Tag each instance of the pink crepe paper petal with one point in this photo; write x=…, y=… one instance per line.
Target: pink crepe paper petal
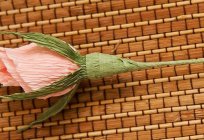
x=5, y=77
x=34, y=67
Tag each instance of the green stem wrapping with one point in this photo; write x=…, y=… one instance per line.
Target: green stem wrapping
x=101, y=65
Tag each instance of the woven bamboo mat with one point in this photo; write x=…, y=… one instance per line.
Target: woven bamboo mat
x=159, y=103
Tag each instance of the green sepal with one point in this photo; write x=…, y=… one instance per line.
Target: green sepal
x=57, y=86
x=50, y=42
x=53, y=110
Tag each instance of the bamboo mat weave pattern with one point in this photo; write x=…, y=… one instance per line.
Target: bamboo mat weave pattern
x=158, y=103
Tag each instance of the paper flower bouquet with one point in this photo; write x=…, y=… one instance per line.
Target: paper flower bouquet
x=50, y=67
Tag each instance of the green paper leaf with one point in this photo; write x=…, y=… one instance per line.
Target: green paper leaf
x=53, y=110
x=57, y=86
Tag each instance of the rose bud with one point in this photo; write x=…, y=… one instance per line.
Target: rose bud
x=45, y=68
x=50, y=67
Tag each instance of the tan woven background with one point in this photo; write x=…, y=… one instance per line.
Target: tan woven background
x=165, y=103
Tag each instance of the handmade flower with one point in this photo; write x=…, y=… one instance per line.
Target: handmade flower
x=50, y=67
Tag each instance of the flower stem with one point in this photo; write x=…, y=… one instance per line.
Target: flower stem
x=101, y=65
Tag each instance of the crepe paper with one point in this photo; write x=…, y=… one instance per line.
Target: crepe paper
x=33, y=67
x=64, y=80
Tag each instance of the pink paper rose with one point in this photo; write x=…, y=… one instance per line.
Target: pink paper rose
x=33, y=67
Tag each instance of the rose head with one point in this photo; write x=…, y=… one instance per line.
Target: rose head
x=45, y=68
x=33, y=67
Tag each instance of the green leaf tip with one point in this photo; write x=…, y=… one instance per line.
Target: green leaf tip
x=53, y=110
x=5, y=97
